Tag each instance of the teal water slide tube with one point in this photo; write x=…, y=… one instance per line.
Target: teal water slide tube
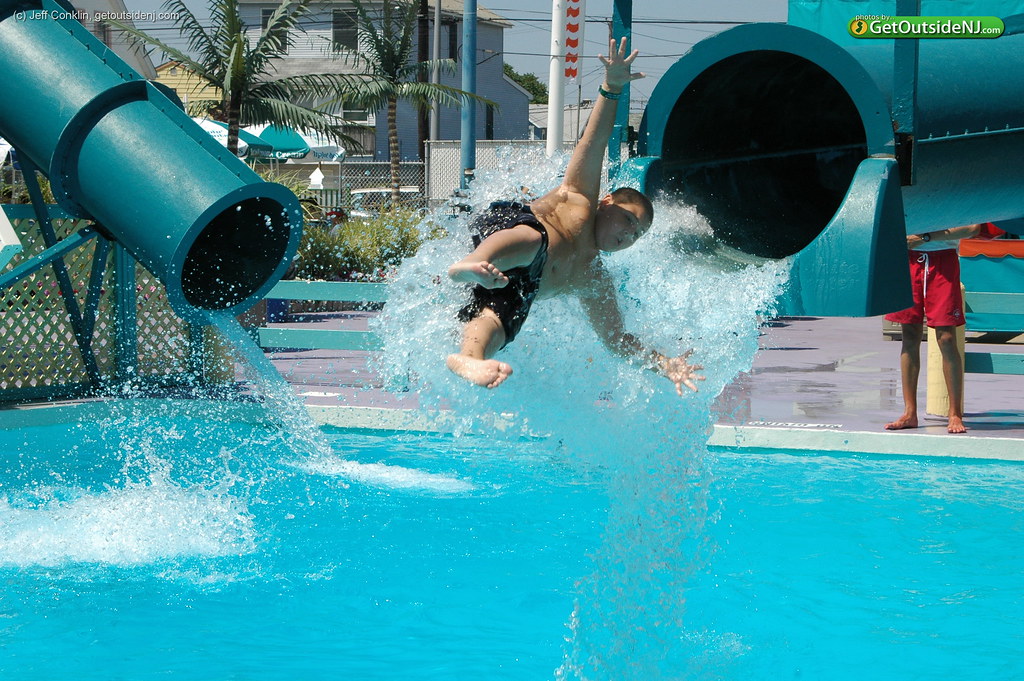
x=800, y=141
x=120, y=151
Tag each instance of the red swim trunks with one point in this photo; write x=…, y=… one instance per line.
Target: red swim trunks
x=935, y=282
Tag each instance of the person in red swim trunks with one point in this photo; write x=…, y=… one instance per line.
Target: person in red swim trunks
x=935, y=280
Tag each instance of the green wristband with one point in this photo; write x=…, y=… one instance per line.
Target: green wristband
x=614, y=96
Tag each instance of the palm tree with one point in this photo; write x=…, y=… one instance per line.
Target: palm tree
x=391, y=74
x=224, y=56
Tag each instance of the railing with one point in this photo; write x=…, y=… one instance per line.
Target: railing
x=323, y=339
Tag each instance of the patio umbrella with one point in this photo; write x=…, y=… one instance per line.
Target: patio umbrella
x=248, y=144
x=289, y=143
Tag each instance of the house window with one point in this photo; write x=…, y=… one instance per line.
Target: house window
x=453, y=40
x=357, y=115
x=489, y=125
x=266, y=14
x=343, y=30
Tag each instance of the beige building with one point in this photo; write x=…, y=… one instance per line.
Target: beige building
x=186, y=84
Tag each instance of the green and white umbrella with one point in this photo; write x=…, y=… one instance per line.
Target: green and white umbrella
x=249, y=145
x=289, y=143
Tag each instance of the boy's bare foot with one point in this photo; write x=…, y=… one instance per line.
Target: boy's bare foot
x=489, y=373
x=480, y=272
x=903, y=423
x=956, y=425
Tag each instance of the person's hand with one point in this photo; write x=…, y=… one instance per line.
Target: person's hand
x=617, y=65
x=677, y=370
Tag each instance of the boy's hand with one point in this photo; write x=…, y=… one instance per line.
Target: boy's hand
x=679, y=372
x=616, y=66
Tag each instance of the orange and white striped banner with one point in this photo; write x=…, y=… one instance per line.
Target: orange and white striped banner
x=575, y=19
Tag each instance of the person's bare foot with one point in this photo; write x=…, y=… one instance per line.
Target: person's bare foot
x=480, y=272
x=903, y=422
x=956, y=425
x=488, y=373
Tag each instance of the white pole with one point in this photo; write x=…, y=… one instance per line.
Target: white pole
x=435, y=77
x=556, y=79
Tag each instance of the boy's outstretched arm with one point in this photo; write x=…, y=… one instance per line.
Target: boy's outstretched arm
x=599, y=303
x=583, y=174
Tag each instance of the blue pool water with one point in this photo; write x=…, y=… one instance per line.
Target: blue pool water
x=595, y=538
x=168, y=553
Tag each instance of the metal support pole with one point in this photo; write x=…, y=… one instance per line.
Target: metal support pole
x=469, y=85
x=622, y=26
x=556, y=80
x=622, y=22
x=435, y=77
x=83, y=335
x=904, y=106
x=127, y=341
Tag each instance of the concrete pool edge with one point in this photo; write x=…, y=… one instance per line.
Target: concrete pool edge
x=731, y=437
x=904, y=443
x=745, y=437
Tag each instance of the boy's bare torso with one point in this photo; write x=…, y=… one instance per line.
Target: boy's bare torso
x=569, y=219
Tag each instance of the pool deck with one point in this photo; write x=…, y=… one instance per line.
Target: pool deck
x=817, y=384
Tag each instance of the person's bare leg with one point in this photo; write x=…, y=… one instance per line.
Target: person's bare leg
x=482, y=337
x=910, y=371
x=504, y=250
x=953, y=372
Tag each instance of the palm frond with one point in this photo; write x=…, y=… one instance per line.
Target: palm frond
x=368, y=35
x=142, y=39
x=259, y=111
x=309, y=85
x=202, y=108
x=372, y=94
x=422, y=94
x=229, y=32
x=279, y=34
x=200, y=42
x=235, y=77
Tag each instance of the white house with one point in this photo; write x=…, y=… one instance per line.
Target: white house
x=334, y=22
x=88, y=13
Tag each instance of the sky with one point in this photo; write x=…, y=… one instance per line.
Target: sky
x=661, y=31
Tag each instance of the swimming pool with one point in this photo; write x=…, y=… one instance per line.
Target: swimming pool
x=194, y=546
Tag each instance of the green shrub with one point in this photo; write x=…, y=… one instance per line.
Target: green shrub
x=18, y=193
x=362, y=249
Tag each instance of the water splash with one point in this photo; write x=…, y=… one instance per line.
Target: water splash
x=603, y=413
x=139, y=523
x=311, y=452
x=123, y=495
x=387, y=476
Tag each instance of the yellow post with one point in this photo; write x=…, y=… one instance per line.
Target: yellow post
x=937, y=398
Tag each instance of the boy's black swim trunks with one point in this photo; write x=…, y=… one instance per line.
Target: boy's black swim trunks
x=511, y=303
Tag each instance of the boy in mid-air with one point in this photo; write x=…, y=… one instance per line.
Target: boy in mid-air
x=551, y=247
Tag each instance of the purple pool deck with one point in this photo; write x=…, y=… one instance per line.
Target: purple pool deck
x=817, y=384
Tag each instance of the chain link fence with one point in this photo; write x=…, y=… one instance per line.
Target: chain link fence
x=341, y=178
x=444, y=161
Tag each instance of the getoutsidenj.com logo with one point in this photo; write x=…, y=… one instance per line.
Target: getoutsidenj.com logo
x=868, y=26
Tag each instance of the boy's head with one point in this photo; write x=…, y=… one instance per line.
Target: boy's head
x=623, y=216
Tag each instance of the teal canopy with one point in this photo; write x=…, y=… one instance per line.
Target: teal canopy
x=249, y=145
x=289, y=143
x=285, y=142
